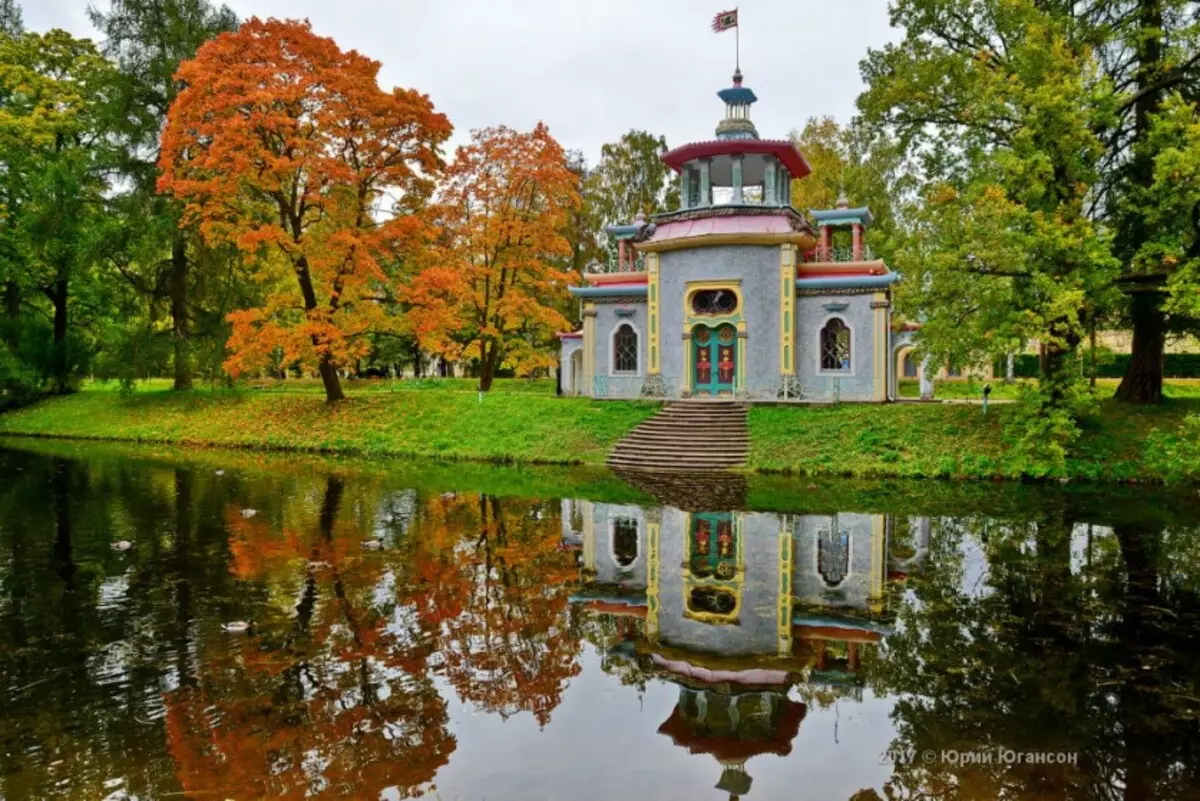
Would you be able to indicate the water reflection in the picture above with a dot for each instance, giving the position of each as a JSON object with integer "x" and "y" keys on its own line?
{"x": 534, "y": 648}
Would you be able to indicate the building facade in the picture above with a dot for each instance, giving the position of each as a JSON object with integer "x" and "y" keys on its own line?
{"x": 737, "y": 293}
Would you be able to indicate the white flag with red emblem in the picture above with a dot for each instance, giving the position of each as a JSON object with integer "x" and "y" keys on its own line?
{"x": 724, "y": 21}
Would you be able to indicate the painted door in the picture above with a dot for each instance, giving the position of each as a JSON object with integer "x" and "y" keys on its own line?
{"x": 714, "y": 359}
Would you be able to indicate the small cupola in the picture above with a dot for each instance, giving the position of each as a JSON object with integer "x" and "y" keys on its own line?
{"x": 738, "y": 99}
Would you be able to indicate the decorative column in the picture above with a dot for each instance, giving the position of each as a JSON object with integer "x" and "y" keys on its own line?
{"x": 856, "y": 231}
{"x": 769, "y": 197}
{"x": 705, "y": 185}
{"x": 684, "y": 186}
{"x": 737, "y": 180}
{"x": 787, "y": 309}
{"x": 783, "y": 619}
{"x": 826, "y": 244}
{"x": 926, "y": 381}
{"x": 878, "y": 563}
{"x": 880, "y": 306}
{"x": 652, "y": 305}
{"x": 653, "y": 527}
{"x": 620, "y": 255}
{"x": 589, "y": 349}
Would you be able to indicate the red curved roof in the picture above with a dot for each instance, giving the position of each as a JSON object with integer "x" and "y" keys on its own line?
{"x": 781, "y": 149}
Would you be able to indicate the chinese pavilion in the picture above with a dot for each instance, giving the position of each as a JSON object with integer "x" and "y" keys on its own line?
{"x": 740, "y": 610}
{"x": 737, "y": 293}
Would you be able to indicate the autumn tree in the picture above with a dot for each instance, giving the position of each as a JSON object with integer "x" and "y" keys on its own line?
{"x": 148, "y": 39}
{"x": 285, "y": 145}
{"x": 492, "y": 279}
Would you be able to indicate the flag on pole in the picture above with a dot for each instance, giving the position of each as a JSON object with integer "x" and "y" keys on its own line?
{"x": 724, "y": 21}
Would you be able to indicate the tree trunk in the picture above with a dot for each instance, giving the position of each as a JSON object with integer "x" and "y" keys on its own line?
{"x": 329, "y": 376}
{"x": 12, "y": 312}
{"x": 1144, "y": 376}
{"x": 59, "y": 367}
{"x": 487, "y": 365}
{"x": 181, "y": 330}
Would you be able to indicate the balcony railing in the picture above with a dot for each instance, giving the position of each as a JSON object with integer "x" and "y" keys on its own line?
{"x": 836, "y": 254}
{"x": 610, "y": 266}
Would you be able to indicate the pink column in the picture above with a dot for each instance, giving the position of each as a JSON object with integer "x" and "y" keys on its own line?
{"x": 826, "y": 244}
{"x": 620, "y": 255}
{"x": 857, "y": 233}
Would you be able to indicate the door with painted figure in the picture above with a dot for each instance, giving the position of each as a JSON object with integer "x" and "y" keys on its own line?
{"x": 714, "y": 360}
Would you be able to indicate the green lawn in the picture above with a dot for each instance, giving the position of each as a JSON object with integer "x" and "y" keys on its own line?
{"x": 523, "y": 422}
{"x": 972, "y": 388}
{"x": 957, "y": 441}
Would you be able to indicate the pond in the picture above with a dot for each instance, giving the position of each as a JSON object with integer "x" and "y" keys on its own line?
{"x": 451, "y": 632}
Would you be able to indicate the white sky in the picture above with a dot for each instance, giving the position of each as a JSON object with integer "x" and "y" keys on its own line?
{"x": 590, "y": 70}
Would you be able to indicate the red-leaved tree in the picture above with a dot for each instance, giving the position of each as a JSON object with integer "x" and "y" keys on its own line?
{"x": 494, "y": 281}
{"x": 285, "y": 145}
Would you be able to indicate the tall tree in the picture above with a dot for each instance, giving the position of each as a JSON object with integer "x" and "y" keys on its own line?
{"x": 285, "y": 145}
{"x": 868, "y": 166}
{"x": 1150, "y": 50}
{"x": 1000, "y": 101}
{"x": 630, "y": 178}
{"x": 11, "y": 22}
{"x": 54, "y": 139}
{"x": 494, "y": 276}
{"x": 148, "y": 39}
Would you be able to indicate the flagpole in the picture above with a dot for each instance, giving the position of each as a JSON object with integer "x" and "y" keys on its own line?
{"x": 737, "y": 39}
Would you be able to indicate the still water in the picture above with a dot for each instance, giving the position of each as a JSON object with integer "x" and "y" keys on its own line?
{"x": 445, "y": 632}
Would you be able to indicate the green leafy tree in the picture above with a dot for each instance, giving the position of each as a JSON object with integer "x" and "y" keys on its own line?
{"x": 629, "y": 178}
{"x": 11, "y": 21}
{"x": 54, "y": 144}
{"x": 868, "y": 166}
{"x": 148, "y": 39}
{"x": 1001, "y": 102}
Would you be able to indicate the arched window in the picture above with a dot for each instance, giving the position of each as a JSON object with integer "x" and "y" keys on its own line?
{"x": 625, "y": 541}
{"x": 835, "y": 346}
{"x": 625, "y": 349}
{"x": 833, "y": 554}
{"x": 910, "y": 366}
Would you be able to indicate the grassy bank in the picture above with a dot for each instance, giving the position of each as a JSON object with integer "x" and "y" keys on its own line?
{"x": 523, "y": 422}
{"x": 519, "y": 422}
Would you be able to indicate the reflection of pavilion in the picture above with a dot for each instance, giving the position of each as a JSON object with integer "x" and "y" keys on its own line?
{"x": 736, "y": 608}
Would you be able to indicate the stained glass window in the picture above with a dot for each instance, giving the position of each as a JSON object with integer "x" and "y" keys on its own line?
{"x": 625, "y": 349}
{"x": 835, "y": 346}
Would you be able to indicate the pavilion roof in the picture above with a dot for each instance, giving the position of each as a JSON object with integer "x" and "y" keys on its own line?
{"x": 785, "y": 151}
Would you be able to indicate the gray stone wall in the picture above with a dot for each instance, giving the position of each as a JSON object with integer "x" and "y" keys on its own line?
{"x": 608, "y": 571}
{"x": 808, "y": 585}
{"x": 757, "y": 267}
{"x": 811, "y": 315}
{"x": 755, "y": 631}
{"x": 606, "y": 383}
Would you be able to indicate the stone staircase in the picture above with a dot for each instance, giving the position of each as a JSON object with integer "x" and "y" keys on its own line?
{"x": 690, "y": 435}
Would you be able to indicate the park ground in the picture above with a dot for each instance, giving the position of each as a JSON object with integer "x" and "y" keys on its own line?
{"x": 522, "y": 421}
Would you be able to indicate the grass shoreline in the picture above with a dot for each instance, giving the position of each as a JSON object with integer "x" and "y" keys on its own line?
{"x": 523, "y": 423}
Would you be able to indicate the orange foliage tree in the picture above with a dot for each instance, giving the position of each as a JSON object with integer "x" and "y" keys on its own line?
{"x": 336, "y": 699}
{"x": 286, "y": 146}
{"x": 494, "y": 591}
{"x": 499, "y": 268}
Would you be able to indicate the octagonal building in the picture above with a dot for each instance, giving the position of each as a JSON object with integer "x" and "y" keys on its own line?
{"x": 736, "y": 293}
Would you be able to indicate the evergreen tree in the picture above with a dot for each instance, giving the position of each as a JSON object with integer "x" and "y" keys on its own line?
{"x": 148, "y": 40}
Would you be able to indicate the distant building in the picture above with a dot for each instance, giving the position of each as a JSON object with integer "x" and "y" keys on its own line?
{"x": 737, "y": 293}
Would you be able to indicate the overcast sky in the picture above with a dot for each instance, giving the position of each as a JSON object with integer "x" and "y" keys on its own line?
{"x": 590, "y": 70}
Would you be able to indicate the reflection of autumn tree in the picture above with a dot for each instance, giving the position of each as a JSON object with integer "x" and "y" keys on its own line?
{"x": 332, "y": 699}
{"x": 497, "y": 594}
{"x": 1072, "y": 641}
